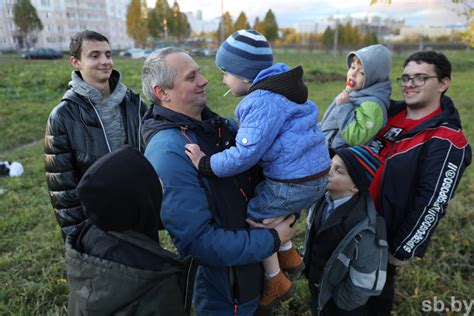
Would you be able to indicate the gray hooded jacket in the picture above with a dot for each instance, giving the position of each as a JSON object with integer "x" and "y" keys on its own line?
{"x": 358, "y": 121}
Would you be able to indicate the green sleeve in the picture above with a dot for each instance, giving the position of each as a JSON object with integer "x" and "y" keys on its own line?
{"x": 368, "y": 121}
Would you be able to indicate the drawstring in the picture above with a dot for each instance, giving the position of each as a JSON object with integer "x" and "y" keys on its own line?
{"x": 183, "y": 131}
{"x": 243, "y": 193}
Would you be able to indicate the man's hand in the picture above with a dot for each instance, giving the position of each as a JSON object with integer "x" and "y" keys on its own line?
{"x": 194, "y": 153}
{"x": 267, "y": 222}
{"x": 285, "y": 229}
{"x": 343, "y": 98}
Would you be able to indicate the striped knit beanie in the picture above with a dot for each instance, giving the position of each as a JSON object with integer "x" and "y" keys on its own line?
{"x": 244, "y": 54}
{"x": 361, "y": 163}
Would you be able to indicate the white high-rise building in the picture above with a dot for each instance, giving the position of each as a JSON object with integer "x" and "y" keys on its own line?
{"x": 61, "y": 19}
{"x": 199, "y": 25}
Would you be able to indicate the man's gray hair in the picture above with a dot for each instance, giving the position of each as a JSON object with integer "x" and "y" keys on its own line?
{"x": 156, "y": 72}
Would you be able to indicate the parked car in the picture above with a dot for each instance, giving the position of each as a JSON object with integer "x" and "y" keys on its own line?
{"x": 203, "y": 52}
{"x": 141, "y": 53}
{"x": 136, "y": 53}
{"x": 127, "y": 52}
{"x": 43, "y": 53}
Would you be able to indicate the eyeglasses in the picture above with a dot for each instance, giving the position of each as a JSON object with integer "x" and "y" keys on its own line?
{"x": 417, "y": 80}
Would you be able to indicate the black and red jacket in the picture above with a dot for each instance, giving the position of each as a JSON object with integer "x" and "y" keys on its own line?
{"x": 423, "y": 167}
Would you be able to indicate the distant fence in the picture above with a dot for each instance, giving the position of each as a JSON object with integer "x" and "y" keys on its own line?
{"x": 397, "y": 48}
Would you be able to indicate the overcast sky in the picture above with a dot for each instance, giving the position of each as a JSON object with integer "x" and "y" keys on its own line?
{"x": 288, "y": 13}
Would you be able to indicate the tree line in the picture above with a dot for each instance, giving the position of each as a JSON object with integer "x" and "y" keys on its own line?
{"x": 268, "y": 27}
{"x": 159, "y": 23}
{"x": 348, "y": 37}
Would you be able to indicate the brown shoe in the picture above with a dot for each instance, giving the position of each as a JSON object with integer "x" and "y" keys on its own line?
{"x": 276, "y": 289}
{"x": 290, "y": 261}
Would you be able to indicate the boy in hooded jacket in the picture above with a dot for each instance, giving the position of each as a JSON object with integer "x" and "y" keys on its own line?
{"x": 279, "y": 130}
{"x": 360, "y": 111}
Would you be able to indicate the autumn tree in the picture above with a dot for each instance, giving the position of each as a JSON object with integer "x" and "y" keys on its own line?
{"x": 465, "y": 8}
{"x": 228, "y": 27}
{"x": 26, "y": 19}
{"x": 178, "y": 23}
{"x": 328, "y": 38}
{"x": 270, "y": 26}
{"x": 257, "y": 25}
{"x": 158, "y": 20}
{"x": 369, "y": 38}
{"x": 137, "y": 26}
{"x": 241, "y": 23}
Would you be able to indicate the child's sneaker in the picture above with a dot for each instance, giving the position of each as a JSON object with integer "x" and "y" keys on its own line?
{"x": 276, "y": 289}
{"x": 290, "y": 261}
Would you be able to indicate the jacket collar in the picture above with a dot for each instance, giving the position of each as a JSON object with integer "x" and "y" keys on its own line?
{"x": 346, "y": 211}
{"x": 288, "y": 84}
{"x": 449, "y": 115}
{"x": 159, "y": 118}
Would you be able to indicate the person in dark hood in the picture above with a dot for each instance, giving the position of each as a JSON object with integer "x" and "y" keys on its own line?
{"x": 97, "y": 115}
{"x": 424, "y": 154}
{"x": 119, "y": 192}
{"x": 115, "y": 256}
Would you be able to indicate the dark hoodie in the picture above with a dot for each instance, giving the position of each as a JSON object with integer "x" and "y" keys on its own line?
{"x": 120, "y": 192}
{"x": 115, "y": 263}
{"x": 422, "y": 170}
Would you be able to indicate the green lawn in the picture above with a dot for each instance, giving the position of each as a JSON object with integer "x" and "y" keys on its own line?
{"x": 32, "y": 270}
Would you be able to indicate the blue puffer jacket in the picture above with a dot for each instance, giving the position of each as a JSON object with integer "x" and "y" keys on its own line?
{"x": 278, "y": 128}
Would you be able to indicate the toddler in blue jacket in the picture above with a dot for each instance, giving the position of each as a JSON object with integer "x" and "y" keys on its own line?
{"x": 279, "y": 130}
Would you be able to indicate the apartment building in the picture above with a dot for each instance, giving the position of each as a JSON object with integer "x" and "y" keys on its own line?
{"x": 61, "y": 19}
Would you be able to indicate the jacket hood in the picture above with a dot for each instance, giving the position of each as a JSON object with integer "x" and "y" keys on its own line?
{"x": 378, "y": 92}
{"x": 377, "y": 63}
{"x": 280, "y": 79}
{"x": 117, "y": 88}
{"x": 121, "y": 191}
{"x": 158, "y": 118}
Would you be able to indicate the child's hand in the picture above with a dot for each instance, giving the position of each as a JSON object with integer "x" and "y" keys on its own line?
{"x": 394, "y": 261}
{"x": 343, "y": 98}
{"x": 194, "y": 153}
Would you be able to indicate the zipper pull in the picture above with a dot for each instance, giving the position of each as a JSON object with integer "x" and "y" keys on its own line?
{"x": 235, "y": 308}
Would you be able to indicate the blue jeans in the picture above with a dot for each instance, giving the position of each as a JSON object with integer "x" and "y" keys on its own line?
{"x": 274, "y": 198}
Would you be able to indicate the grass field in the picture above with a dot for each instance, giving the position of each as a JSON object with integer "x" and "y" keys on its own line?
{"x": 32, "y": 270}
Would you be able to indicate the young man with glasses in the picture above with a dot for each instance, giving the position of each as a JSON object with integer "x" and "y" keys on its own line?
{"x": 424, "y": 154}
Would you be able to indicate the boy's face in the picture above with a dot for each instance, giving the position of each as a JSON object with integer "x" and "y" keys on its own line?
{"x": 356, "y": 75}
{"x": 95, "y": 63}
{"x": 237, "y": 86}
{"x": 340, "y": 182}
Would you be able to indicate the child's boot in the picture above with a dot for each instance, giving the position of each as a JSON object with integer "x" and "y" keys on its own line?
{"x": 276, "y": 289}
{"x": 290, "y": 261}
